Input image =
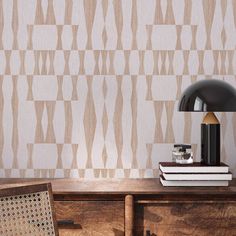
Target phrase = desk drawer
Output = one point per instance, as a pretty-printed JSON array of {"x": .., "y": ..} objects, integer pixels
[
  {"x": 186, "y": 219},
  {"x": 93, "y": 218}
]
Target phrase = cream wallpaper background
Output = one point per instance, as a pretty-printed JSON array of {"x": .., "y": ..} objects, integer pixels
[{"x": 90, "y": 88}]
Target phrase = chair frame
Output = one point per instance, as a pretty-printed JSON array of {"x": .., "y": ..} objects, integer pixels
[{"x": 28, "y": 189}]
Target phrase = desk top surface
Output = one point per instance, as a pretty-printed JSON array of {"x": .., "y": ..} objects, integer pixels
[{"x": 119, "y": 186}]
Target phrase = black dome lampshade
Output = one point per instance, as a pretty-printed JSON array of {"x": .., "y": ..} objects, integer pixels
[{"x": 209, "y": 96}]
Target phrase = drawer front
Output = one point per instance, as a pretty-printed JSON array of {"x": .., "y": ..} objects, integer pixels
[
  {"x": 186, "y": 219},
  {"x": 93, "y": 218}
]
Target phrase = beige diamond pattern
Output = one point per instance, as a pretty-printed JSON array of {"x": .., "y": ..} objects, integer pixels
[{"x": 98, "y": 109}]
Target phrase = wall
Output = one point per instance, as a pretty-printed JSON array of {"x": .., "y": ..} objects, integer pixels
[{"x": 90, "y": 88}]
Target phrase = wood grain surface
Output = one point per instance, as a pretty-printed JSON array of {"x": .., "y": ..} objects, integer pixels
[
  {"x": 186, "y": 219},
  {"x": 122, "y": 187},
  {"x": 90, "y": 217},
  {"x": 140, "y": 206},
  {"x": 129, "y": 215}
]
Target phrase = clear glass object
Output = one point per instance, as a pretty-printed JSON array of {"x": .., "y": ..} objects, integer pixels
[{"x": 182, "y": 154}]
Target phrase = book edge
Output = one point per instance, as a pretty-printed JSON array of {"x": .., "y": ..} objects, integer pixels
[
  {"x": 179, "y": 182},
  {"x": 227, "y": 176},
  {"x": 194, "y": 169}
]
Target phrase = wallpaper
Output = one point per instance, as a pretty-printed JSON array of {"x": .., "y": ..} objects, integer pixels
[{"x": 90, "y": 88}]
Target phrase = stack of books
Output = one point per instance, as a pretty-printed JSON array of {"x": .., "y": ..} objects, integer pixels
[{"x": 195, "y": 174}]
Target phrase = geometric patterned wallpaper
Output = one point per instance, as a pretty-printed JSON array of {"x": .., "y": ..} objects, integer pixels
[{"x": 90, "y": 88}]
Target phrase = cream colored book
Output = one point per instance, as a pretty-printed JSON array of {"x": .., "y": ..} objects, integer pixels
[
  {"x": 196, "y": 167},
  {"x": 193, "y": 183},
  {"x": 197, "y": 176}
]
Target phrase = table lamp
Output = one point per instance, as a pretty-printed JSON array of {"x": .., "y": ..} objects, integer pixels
[{"x": 209, "y": 96}]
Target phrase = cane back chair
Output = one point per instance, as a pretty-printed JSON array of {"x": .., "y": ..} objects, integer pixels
[{"x": 27, "y": 211}]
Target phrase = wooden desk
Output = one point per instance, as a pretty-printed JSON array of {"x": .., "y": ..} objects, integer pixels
[{"x": 139, "y": 207}]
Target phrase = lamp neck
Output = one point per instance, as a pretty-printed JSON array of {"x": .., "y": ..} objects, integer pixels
[{"x": 210, "y": 118}]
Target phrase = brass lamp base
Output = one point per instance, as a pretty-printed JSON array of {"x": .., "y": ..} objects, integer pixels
[{"x": 210, "y": 140}]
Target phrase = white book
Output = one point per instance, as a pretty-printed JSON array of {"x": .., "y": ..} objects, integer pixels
[
  {"x": 196, "y": 167},
  {"x": 197, "y": 176},
  {"x": 193, "y": 183}
]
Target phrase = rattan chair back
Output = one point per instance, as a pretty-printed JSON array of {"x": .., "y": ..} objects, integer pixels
[{"x": 27, "y": 211}]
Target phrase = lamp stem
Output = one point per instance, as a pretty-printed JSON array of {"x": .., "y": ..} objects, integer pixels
[{"x": 210, "y": 140}]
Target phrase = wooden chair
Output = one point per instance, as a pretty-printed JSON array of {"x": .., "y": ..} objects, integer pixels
[{"x": 27, "y": 211}]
